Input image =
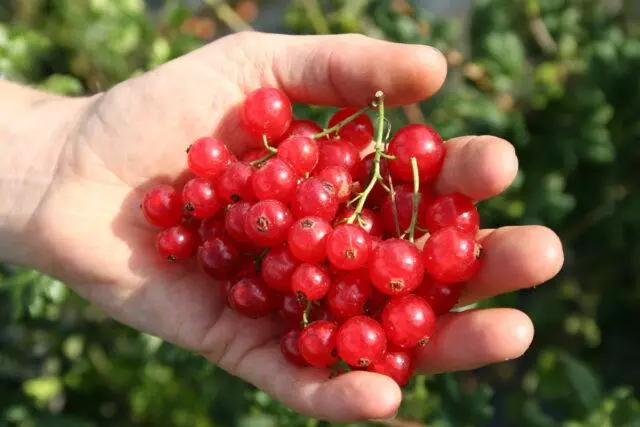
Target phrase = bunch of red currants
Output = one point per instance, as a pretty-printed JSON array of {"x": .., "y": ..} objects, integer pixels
[{"x": 308, "y": 229}]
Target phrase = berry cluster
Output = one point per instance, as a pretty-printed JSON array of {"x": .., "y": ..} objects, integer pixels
[{"x": 307, "y": 229}]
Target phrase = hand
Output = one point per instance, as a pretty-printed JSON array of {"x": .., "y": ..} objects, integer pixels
[{"x": 91, "y": 232}]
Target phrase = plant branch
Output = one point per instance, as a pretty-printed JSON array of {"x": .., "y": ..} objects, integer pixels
[{"x": 226, "y": 14}]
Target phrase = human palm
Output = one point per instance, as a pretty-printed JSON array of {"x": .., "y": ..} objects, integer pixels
[{"x": 134, "y": 136}]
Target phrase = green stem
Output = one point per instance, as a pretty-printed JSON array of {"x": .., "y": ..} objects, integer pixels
[
  {"x": 305, "y": 314},
  {"x": 416, "y": 199},
  {"x": 394, "y": 207},
  {"x": 344, "y": 122},
  {"x": 271, "y": 151}
]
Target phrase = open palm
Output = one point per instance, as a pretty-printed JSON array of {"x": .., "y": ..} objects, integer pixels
[{"x": 134, "y": 136}]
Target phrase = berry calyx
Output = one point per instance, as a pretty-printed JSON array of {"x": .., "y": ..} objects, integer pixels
[
  {"x": 267, "y": 223},
  {"x": 396, "y": 267},
  {"x": 235, "y": 183},
  {"x": 307, "y": 239},
  {"x": 348, "y": 247},
  {"x": 341, "y": 180},
  {"x": 200, "y": 198}
]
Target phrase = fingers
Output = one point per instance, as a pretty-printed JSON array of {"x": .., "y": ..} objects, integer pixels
[
  {"x": 471, "y": 339},
  {"x": 515, "y": 258},
  {"x": 345, "y": 398},
  {"x": 478, "y": 166},
  {"x": 347, "y": 70}
]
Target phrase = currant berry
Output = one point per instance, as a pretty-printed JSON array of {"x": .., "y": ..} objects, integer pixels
[
  {"x": 364, "y": 173},
  {"x": 359, "y": 131},
  {"x": 162, "y": 206},
  {"x": 403, "y": 210},
  {"x": 200, "y": 198},
  {"x": 396, "y": 267},
  {"x": 175, "y": 243},
  {"x": 451, "y": 256},
  {"x": 291, "y": 310},
  {"x": 267, "y": 223},
  {"x": 452, "y": 210},
  {"x": 274, "y": 180},
  {"x": 337, "y": 152},
  {"x": 315, "y": 197},
  {"x": 310, "y": 282},
  {"x": 397, "y": 364},
  {"x": 250, "y": 297},
  {"x": 442, "y": 297},
  {"x": 290, "y": 348},
  {"x": 268, "y": 112},
  {"x": 376, "y": 303},
  {"x": 307, "y": 239},
  {"x": 300, "y": 152},
  {"x": 208, "y": 157},
  {"x": 253, "y": 155},
  {"x": 277, "y": 267},
  {"x": 219, "y": 257},
  {"x": 408, "y": 321},
  {"x": 423, "y": 143},
  {"x": 348, "y": 247},
  {"x": 211, "y": 227},
  {"x": 235, "y": 183},
  {"x": 341, "y": 180},
  {"x": 361, "y": 341},
  {"x": 305, "y": 128},
  {"x": 349, "y": 295},
  {"x": 234, "y": 221},
  {"x": 369, "y": 221},
  {"x": 317, "y": 343}
]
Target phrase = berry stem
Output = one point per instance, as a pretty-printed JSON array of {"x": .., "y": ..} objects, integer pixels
[
  {"x": 416, "y": 199},
  {"x": 344, "y": 122},
  {"x": 379, "y": 149},
  {"x": 305, "y": 313},
  {"x": 272, "y": 151},
  {"x": 394, "y": 207}
]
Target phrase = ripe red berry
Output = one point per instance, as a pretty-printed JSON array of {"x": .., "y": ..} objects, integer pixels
[
  {"x": 219, "y": 257},
  {"x": 349, "y": 295},
  {"x": 274, "y": 180},
  {"x": 268, "y": 112},
  {"x": 235, "y": 183},
  {"x": 234, "y": 221},
  {"x": 408, "y": 321},
  {"x": 305, "y": 128},
  {"x": 162, "y": 206},
  {"x": 307, "y": 239},
  {"x": 250, "y": 297},
  {"x": 423, "y": 143},
  {"x": 267, "y": 223},
  {"x": 317, "y": 343},
  {"x": 452, "y": 210},
  {"x": 310, "y": 282},
  {"x": 396, "y": 267},
  {"x": 361, "y": 341},
  {"x": 200, "y": 198},
  {"x": 291, "y": 310},
  {"x": 208, "y": 157},
  {"x": 290, "y": 348},
  {"x": 277, "y": 267},
  {"x": 369, "y": 221},
  {"x": 358, "y": 131},
  {"x": 341, "y": 180},
  {"x": 175, "y": 243},
  {"x": 300, "y": 152},
  {"x": 403, "y": 210},
  {"x": 315, "y": 197},
  {"x": 442, "y": 297},
  {"x": 451, "y": 256},
  {"x": 364, "y": 172},
  {"x": 211, "y": 227},
  {"x": 253, "y": 155},
  {"x": 336, "y": 152},
  {"x": 397, "y": 364},
  {"x": 348, "y": 247}
]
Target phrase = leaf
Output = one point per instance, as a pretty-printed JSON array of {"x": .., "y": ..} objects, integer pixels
[{"x": 43, "y": 389}]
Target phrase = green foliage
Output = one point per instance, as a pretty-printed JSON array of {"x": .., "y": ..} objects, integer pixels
[{"x": 558, "y": 78}]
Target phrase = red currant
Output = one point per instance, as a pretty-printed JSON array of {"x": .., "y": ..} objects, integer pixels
[
  {"x": 291, "y": 310},
  {"x": 253, "y": 155},
  {"x": 396, "y": 267},
  {"x": 268, "y": 112},
  {"x": 175, "y": 243},
  {"x": 219, "y": 257},
  {"x": 250, "y": 297},
  {"x": 359, "y": 131},
  {"x": 289, "y": 347},
  {"x": 310, "y": 282},
  {"x": 274, "y": 180},
  {"x": 234, "y": 221},
  {"x": 302, "y": 128},
  {"x": 348, "y": 247},
  {"x": 423, "y": 143},
  {"x": 341, "y": 180},
  {"x": 307, "y": 239},
  {"x": 277, "y": 267},
  {"x": 361, "y": 341},
  {"x": 369, "y": 221},
  {"x": 315, "y": 197},
  {"x": 408, "y": 321},
  {"x": 397, "y": 364},
  {"x": 300, "y": 152},
  {"x": 336, "y": 152},
  {"x": 451, "y": 256},
  {"x": 162, "y": 206},
  {"x": 267, "y": 223},
  {"x": 200, "y": 198},
  {"x": 452, "y": 210},
  {"x": 211, "y": 227},
  {"x": 403, "y": 210},
  {"x": 235, "y": 183},
  {"x": 208, "y": 157},
  {"x": 317, "y": 343},
  {"x": 442, "y": 297},
  {"x": 349, "y": 295}
]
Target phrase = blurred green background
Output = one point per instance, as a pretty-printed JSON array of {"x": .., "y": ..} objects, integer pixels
[{"x": 558, "y": 78}]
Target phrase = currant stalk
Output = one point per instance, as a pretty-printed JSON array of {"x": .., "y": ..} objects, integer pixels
[
  {"x": 342, "y": 123},
  {"x": 272, "y": 151},
  {"x": 416, "y": 199}
]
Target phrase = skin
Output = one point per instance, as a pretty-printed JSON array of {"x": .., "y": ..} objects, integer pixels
[{"x": 73, "y": 172}]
